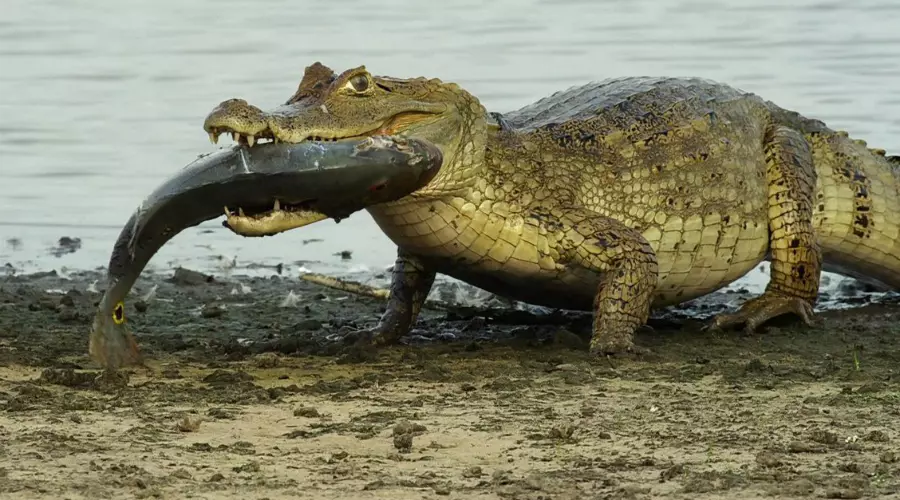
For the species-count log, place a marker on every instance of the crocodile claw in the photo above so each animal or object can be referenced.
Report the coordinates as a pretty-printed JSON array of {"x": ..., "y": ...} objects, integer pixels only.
[
  {"x": 364, "y": 336},
  {"x": 601, "y": 349},
  {"x": 757, "y": 311}
]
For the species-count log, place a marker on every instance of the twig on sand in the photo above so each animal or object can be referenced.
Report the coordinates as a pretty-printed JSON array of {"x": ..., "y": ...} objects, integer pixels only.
[
  {"x": 358, "y": 288},
  {"x": 347, "y": 285}
]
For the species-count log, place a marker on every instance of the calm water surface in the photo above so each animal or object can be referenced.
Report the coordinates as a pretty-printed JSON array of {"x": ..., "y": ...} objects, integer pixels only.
[{"x": 102, "y": 100}]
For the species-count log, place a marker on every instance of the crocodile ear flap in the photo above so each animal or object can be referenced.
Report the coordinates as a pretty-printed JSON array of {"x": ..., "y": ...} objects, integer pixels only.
[{"x": 316, "y": 79}]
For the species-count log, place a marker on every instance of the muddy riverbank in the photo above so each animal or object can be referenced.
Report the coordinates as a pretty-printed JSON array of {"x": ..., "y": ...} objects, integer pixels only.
[{"x": 246, "y": 395}]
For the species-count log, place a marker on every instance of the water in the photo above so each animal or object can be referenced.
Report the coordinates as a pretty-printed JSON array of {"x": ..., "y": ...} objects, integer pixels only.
[{"x": 101, "y": 100}]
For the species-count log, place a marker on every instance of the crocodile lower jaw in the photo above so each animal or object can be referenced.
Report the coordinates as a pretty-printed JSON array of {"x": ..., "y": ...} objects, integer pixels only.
[{"x": 280, "y": 218}]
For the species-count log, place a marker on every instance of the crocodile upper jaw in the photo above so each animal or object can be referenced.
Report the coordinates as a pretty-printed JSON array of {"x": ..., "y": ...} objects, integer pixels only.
[{"x": 249, "y": 125}]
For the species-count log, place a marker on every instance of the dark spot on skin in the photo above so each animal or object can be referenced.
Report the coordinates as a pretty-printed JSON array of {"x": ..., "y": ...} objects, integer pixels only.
[
  {"x": 726, "y": 219},
  {"x": 795, "y": 243},
  {"x": 859, "y": 233},
  {"x": 862, "y": 192},
  {"x": 860, "y": 209},
  {"x": 822, "y": 207},
  {"x": 801, "y": 271},
  {"x": 862, "y": 220}
]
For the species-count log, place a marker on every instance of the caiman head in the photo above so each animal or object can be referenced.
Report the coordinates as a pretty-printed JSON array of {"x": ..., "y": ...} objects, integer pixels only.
[{"x": 328, "y": 107}]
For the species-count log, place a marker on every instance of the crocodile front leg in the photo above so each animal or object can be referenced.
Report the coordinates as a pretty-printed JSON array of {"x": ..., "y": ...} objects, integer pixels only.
[
  {"x": 628, "y": 266},
  {"x": 796, "y": 261},
  {"x": 411, "y": 281}
]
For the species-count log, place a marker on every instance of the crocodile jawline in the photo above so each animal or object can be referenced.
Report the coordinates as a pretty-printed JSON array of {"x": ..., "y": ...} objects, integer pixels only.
[{"x": 392, "y": 126}]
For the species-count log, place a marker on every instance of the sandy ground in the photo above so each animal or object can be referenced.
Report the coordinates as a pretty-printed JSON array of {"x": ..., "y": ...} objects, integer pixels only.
[{"x": 244, "y": 396}]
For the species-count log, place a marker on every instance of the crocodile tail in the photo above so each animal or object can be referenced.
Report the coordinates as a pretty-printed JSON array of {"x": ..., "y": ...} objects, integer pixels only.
[{"x": 857, "y": 208}]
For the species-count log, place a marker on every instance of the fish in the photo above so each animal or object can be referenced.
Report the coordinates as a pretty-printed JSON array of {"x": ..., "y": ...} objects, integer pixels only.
[{"x": 262, "y": 190}]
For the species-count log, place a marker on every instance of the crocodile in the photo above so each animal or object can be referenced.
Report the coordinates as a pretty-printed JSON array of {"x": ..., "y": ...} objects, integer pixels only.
[{"x": 614, "y": 197}]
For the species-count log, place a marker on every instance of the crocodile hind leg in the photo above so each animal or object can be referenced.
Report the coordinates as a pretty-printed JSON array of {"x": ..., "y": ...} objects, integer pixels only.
[
  {"x": 627, "y": 264},
  {"x": 411, "y": 281},
  {"x": 796, "y": 260}
]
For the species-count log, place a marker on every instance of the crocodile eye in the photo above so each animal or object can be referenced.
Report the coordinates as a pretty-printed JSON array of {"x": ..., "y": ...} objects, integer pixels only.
[{"x": 360, "y": 83}]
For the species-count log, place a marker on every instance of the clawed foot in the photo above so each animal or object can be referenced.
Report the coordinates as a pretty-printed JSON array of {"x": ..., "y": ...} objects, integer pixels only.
[
  {"x": 607, "y": 345},
  {"x": 354, "y": 337},
  {"x": 757, "y": 311},
  {"x": 375, "y": 336}
]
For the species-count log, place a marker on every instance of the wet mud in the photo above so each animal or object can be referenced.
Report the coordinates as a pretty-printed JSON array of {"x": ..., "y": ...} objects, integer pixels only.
[{"x": 248, "y": 392}]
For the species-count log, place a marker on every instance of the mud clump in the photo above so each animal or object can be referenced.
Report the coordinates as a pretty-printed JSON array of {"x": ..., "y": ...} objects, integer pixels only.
[
  {"x": 66, "y": 245},
  {"x": 226, "y": 377},
  {"x": 188, "y": 277},
  {"x": 404, "y": 432},
  {"x": 307, "y": 412},
  {"x": 68, "y": 378}
]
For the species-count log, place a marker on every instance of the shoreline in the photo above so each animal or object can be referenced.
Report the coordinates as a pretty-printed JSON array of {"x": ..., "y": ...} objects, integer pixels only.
[{"x": 246, "y": 394}]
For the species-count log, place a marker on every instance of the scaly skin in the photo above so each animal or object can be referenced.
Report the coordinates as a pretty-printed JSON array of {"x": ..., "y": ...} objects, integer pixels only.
[{"x": 613, "y": 196}]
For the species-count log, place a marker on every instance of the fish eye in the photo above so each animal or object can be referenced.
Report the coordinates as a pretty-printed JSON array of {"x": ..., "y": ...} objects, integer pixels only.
[
  {"x": 118, "y": 314},
  {"x": 359, "y": 83}
]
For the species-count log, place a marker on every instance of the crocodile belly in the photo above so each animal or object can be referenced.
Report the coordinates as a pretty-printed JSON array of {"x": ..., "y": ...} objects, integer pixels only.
[
  {"x": 698, "y": 255},
  {"x": 492, "y": 252}
]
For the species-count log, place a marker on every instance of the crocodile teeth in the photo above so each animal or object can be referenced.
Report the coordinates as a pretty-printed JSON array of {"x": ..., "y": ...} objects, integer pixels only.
[
  {"x": 277, "y": 206},
  {"x": 241, "y": 212},
  {"x": 236, "y": 137},
  {"x": 213, "y": 138},
  {"x": 251, "y": 140},
  {"x": 227, "y": 212}
]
